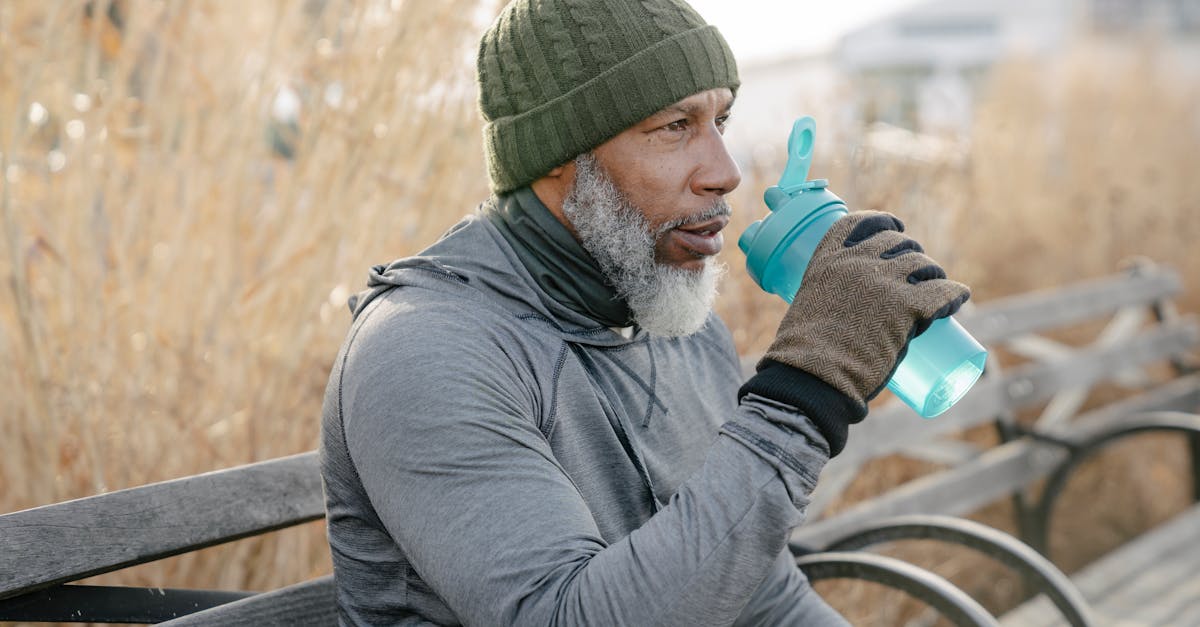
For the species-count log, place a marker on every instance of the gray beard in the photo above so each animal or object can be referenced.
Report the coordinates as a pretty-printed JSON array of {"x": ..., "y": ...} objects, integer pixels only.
[{"x": 664, "y": 300}]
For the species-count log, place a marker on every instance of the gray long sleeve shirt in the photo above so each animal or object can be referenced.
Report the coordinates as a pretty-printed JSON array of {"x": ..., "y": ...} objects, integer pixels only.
[{"x": 492, "y": 458}]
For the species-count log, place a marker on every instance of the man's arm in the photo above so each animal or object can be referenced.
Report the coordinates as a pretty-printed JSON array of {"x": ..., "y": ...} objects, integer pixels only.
[
  {"x": 787, "y": 598},
  {"x": 467, "y": 485}
]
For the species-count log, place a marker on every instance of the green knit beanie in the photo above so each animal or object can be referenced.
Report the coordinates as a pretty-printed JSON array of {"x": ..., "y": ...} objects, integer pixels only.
[{"x": 559, "y": 77}]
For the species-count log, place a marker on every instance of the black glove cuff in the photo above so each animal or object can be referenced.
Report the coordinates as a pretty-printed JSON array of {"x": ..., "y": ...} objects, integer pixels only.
[{"x": 829, "y": 410}]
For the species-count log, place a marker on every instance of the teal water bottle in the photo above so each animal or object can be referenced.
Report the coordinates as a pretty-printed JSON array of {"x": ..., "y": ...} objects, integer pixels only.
[{"x": 941, "y": 364}]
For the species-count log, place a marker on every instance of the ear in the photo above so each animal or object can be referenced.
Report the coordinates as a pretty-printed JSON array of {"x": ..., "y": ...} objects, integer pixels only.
[{"x": 553, "y": 188}]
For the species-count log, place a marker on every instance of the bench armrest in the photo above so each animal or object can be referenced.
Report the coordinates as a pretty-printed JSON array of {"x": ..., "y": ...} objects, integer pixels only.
[
  {"x": 1089, "y": 445},
  {"x": 1039, "y": 571},
  {"x": 934, "y": 590}
]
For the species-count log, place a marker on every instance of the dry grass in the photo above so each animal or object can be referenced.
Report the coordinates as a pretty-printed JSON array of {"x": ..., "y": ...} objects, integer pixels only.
[{"x": 174, "y": 288}]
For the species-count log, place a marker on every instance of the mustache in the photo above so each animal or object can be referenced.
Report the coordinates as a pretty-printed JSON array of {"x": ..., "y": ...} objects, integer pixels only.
[{"x": 720, "y": 207}]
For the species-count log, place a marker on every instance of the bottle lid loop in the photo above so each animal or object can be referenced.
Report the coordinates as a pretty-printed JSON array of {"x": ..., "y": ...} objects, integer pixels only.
[{"x": 800, "y": 152}]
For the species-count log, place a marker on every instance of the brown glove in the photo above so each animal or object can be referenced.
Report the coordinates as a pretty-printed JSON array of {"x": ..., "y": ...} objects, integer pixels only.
[{"x": 868, "y": 290}]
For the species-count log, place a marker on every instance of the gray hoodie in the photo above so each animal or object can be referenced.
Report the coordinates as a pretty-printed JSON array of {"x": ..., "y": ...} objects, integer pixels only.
[{"x": 491, "y": 457}]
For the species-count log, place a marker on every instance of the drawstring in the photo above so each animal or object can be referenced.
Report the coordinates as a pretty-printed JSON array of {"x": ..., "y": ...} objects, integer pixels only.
[
  {"x": 653, "y": 397},
  {"x": 619, "y": 429}
]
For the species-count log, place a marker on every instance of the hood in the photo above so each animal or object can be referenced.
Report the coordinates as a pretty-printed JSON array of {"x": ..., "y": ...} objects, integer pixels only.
[{"x": 473, "y": 260}]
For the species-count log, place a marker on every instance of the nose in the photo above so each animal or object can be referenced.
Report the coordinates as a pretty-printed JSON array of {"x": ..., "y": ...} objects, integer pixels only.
[{"x": 718, "y": 173}]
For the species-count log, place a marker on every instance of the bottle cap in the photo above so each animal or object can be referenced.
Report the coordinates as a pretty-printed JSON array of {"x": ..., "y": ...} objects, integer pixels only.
[{"x": 778, "y": 247}]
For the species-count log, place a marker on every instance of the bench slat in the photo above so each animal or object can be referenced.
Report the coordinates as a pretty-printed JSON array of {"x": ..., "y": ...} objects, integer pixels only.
[
  {"x": 1165, "y": 592},
  {"x": 67, "y": 541},
  {"x": 892, "y": 428},
  {"x": 1002, "y": 319},
  {"x": 994, "y": 474},
  {"x": 952, "y": 492}
]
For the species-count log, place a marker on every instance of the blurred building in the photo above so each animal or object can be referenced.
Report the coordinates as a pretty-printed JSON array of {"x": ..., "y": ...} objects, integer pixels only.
[
  {"x": 902, "y": 91},
  {"x": 921, "y": 68}
]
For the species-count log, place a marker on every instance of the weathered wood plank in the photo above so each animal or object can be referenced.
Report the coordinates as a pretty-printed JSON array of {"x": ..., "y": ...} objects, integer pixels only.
[
  {"x": 996, "y": 473},
  {"x": 309, "y": 603},
  {"x": 958, "y": 491},
  {"x": 943, "y": 451},
  {"x": 1047, "y": 309},
  {"x": 63, "y": 542},
  {"x": 1066, "y": 403},
  {"x": 1165, "y": 591},
  {"x": 895, "y": 427},
  {"x": 1181, "y": 394},
  {"x": 1158, "y": 594}
]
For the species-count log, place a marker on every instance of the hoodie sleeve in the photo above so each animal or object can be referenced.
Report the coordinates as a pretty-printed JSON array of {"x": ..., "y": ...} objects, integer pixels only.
[{"x": 442, "y": 435}]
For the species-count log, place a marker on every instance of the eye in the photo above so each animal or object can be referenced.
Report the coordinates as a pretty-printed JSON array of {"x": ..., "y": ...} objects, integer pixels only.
[
  {"x": 722, "y": 122},
  {"x": 678, "y": 125}
]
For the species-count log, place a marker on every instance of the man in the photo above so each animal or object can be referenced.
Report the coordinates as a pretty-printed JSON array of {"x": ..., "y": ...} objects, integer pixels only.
[{"x": 538, "y": 419}]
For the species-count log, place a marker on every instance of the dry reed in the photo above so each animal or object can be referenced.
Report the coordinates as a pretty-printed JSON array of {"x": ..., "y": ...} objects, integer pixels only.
[
  {"x": 176, "y": 287},
  {"x": 192, "y": 190}
]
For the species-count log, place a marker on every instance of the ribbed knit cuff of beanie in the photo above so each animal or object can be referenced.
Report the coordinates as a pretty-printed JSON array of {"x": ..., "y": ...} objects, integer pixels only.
[
  {"x": 559, "y": 77},
  {"x": 829, "y": 410}
]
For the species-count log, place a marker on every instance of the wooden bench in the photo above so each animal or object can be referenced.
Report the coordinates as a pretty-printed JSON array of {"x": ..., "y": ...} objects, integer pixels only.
[{"x": 43, "y": 549}]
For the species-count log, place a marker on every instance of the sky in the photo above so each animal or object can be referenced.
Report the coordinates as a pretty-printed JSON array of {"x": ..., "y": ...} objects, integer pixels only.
[{"x": 757, "y": 29}]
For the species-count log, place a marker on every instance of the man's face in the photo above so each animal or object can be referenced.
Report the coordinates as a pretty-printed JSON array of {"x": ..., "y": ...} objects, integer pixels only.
[
  {"x": 655, "y": 234},
  {"x": 673, "y": 166}
]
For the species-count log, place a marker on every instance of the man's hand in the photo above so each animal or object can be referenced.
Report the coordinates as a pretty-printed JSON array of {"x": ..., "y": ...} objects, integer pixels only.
[{"x": 868, "y": 290}]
